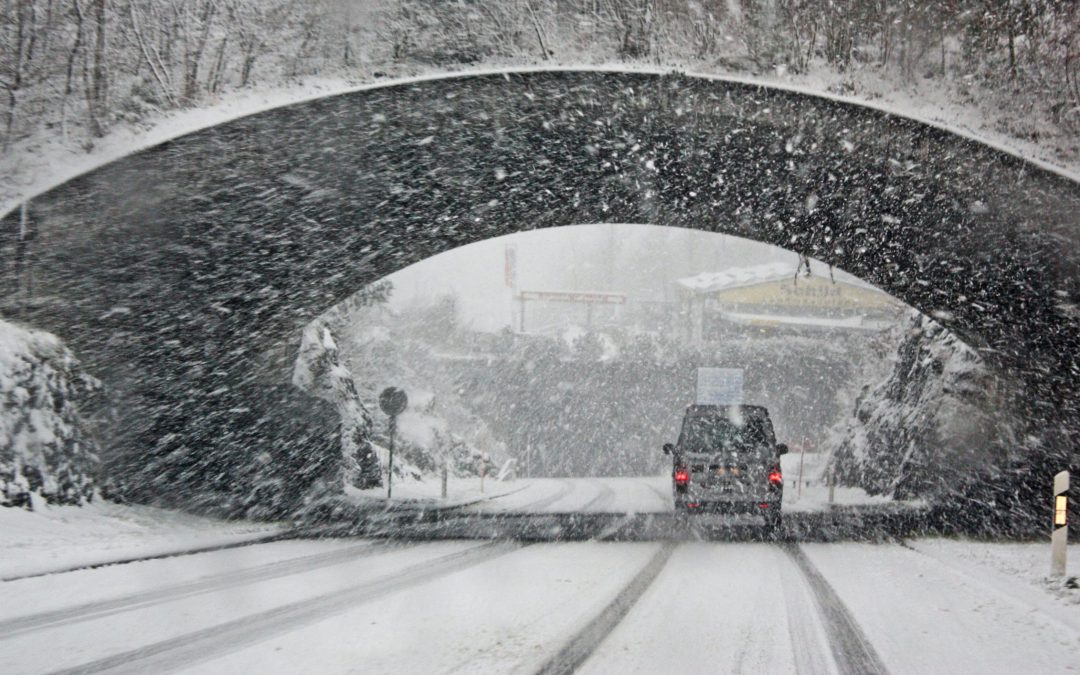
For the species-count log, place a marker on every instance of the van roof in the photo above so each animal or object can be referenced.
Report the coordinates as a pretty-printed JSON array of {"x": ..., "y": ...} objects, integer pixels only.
[{"x": 710, "y": 409}]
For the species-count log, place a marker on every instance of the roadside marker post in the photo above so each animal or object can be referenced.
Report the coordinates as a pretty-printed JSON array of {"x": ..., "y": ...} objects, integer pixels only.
[
  {"x": 802, "y": 457},
  {"x": 393, "y": 402},
  {"x": 445, "y": 475},
  {"x": 1060, "y": 537}
]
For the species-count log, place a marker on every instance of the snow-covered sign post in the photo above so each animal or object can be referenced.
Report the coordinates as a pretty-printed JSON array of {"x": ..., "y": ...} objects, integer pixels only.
[
  {"x": 1060, "y": 536},
  {"x": 393, "y": 402},
  {"x": 719, "y": 386}
]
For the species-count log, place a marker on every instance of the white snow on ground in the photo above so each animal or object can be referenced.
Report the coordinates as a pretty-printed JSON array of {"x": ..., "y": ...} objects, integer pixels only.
[
  {"x": 642, "y": 494},
  {"x": 531, "y": 495},
  {"x": 67, "y": 646},
  {"x": 538, "y": 491},
  {"x": 646, "y": 494},
  {"x": 503, "y": 616},
  {"x": 53, "y": 592},
  {"x": 719, "y": 608},
  {"x": 428, "y": 492},
  {"x": 61, "y": 537},
  {"x": 35, "y": 166},
  {"x": 811, "y": 493},
  {"x": 962, "y": 607},
  {"x": 925, "y": 617},
  {"x": 1012, "y": 567}
]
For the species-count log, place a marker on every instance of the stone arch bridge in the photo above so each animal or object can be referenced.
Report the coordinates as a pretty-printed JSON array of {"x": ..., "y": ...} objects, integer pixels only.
[{"x": 183, "y": 274}]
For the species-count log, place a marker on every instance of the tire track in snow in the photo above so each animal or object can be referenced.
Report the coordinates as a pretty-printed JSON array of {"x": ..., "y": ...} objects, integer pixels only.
[
  {"x": 202, "y": 645},
  {"x": 540, "y": 504},
  {"x": 615, "y": 529},
  {"x": 584, "y": 643},
  {"x": 851, "y": 649},
  {"x": 665, "y": 497},
  {"x": 210, "y": 548},
  {"x": 601, "y": 500},
  {"x": 94, "y": 610},
  {"x": 807, "y": 634}
]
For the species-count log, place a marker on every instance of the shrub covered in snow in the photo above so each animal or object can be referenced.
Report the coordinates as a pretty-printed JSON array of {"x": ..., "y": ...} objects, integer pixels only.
[{"x": 44, "y": 448}]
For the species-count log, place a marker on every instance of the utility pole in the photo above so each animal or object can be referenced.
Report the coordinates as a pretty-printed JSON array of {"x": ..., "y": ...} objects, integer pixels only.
[{"x": 611, "y": 258}]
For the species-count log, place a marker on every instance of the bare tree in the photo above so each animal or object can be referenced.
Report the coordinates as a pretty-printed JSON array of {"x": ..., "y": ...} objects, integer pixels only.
[
  {"x": 96, "y": 77},
  {"x": 633, "y": 21},
  {"x": 198, "y": 17},
  {"x": 149, "y": 51}
]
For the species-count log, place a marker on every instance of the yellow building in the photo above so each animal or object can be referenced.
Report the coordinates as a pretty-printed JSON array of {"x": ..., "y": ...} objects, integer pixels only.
[{"x": 771, "y": 298}]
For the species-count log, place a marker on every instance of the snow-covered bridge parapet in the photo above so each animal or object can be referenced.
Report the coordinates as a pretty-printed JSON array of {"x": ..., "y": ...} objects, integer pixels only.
[{"x": 183, "y": 275}]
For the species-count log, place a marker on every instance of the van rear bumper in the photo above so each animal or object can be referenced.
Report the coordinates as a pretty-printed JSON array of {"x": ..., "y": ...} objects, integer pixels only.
[{"x": 740, "y": 506}]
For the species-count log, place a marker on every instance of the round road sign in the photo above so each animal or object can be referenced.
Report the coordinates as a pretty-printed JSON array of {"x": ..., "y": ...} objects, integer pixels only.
[{"x": 393, "y": 401}]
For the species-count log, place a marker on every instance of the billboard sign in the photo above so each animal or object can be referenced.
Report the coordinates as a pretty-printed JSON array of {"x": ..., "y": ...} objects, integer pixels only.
[
  {"x": 719, "y": 386},
  {"x": 593, "y": 297}
]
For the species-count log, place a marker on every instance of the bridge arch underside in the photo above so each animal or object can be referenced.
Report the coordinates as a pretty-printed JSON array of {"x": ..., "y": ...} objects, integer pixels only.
[{"x": 182, "y": 275}]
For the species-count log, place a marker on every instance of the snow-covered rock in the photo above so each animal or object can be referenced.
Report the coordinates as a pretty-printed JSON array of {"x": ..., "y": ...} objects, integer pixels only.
[
  {"x": 45, "y": 451},
  {"x": 319, "y": 371},
  {"x": 940, "y": 414}
]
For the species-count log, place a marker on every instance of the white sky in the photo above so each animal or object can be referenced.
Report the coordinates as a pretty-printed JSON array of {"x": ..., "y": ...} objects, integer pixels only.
[{"x": 639, "y": 260}]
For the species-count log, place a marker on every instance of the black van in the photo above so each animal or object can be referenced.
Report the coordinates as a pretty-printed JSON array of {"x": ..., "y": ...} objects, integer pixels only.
[{"x": 727, "y": 459}]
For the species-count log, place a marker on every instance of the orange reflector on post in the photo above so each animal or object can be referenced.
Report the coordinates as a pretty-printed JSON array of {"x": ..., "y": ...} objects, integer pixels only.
[{"x": 1059, "y": 538}]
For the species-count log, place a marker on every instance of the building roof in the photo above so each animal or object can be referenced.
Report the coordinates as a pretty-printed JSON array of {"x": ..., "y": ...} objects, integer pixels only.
[{"x": 738, "y": 277}]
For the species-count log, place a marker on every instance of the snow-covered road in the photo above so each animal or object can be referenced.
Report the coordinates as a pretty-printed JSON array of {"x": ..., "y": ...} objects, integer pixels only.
[
  {"x": 377, "y": 606},
  {"x": 584, "y": 495}
]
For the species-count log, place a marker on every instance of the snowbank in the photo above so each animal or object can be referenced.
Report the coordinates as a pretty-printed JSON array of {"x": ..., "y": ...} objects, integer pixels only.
[
  {"x": 63, "y": 537},
  {"x": 425, "y": 491},
  {"x": 1014, "y": 568}
]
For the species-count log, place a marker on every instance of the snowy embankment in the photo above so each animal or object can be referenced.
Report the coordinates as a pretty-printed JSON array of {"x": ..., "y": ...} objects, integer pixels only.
[
  {"x": 411, "y": 487},
  {"x": 1010, "y": 567},
  {"x": 428, "y": 493},
  {"x": 807, "y": 491},
  {"x": 40, "y": 163},
  {"x": 55, "y": 538}
]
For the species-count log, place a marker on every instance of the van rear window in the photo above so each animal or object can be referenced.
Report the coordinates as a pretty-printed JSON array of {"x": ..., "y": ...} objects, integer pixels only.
[{"x": 721, "y": 434}]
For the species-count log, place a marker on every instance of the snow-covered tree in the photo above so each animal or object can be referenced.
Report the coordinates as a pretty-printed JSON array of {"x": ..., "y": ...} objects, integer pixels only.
[{"x": 45, "y": 449}]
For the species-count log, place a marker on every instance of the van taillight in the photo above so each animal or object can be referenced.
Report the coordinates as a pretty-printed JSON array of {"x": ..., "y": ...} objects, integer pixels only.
[
  {"x": 775, "y": 477},
  {"x": 682, "y": 476}
]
